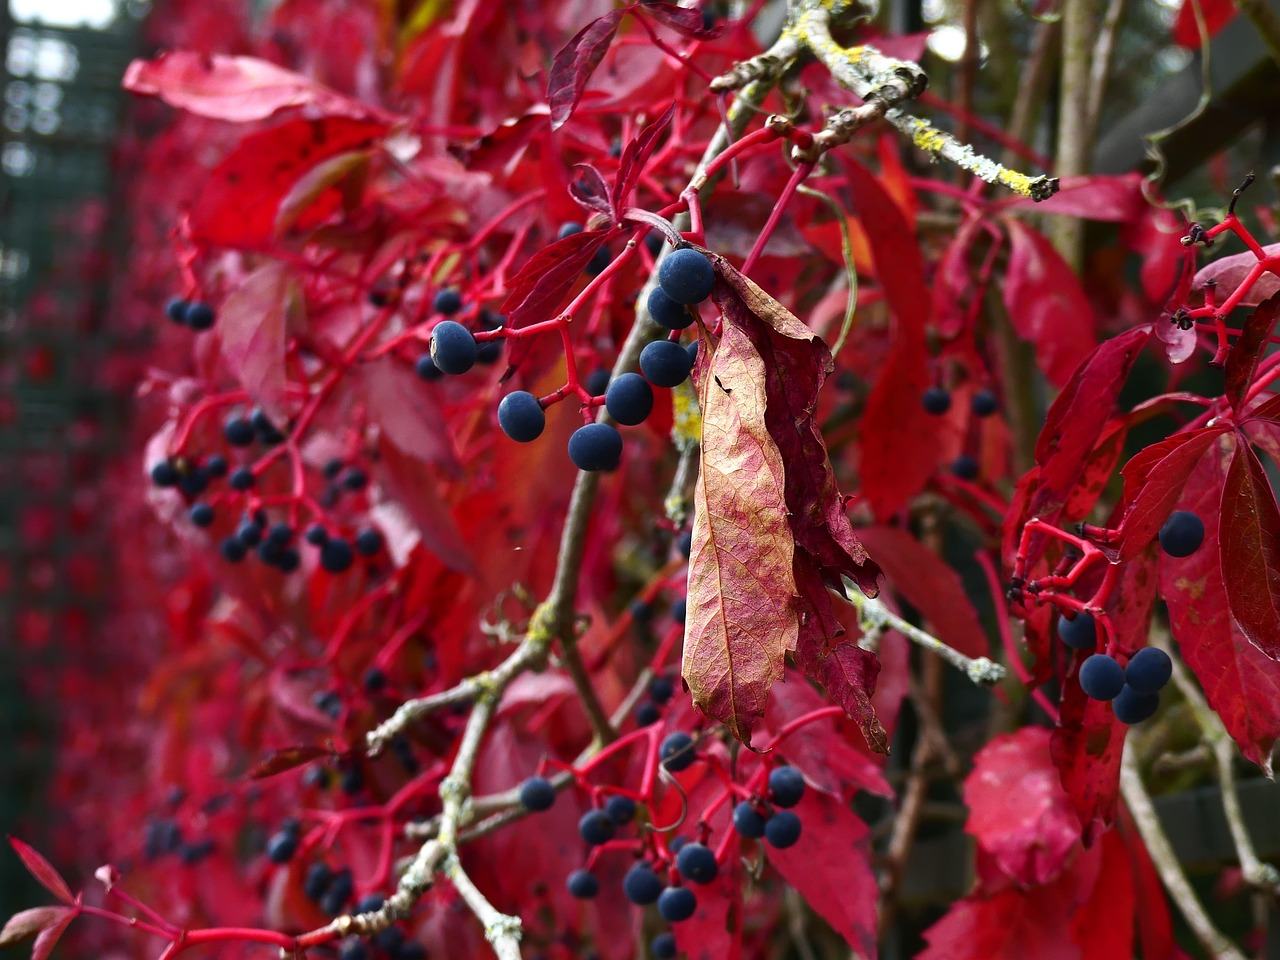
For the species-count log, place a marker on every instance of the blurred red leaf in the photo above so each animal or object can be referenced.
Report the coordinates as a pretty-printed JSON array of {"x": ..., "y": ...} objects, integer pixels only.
[
  {"x": 251, "y": 330},
  {"x": 925, "y": 581},
  {"x": 1103, "y": 925},
  {"x": 590, "y": 191},
  {"x": 286, "y": 759},
  {"x": 239, "y": 205},
  {"x": 1018, "y": 811},
  {"x": 1250, "y": 551},
  {"x": 405, "y": 408},
  {"x": 1113, "y": 199},
  {"x": 1231, "y": 271},
  {"x": 1242, "y": 360},
  {"x": 48, "y": 937},
  {"x": 687, "y": 21},
  {"x": 1239, "y": 681},
  {"x": 637, "y": 153},
  {"x": 898, "y": 437},
  {"x": 409, "y": 481},
  {"x": 1086, "y": 748},
  {"x": 237, "y": 89},
  {"x": 43, "y": 871},
  {"x": 830, "y": 866},
  {"x": 1098, "y": 470},
  {"x": 28, "y": 923},
  {"x": 1217, "y": 14},
  {"x": 1046, "y": 303},
  {"x": 1153, "y": 481},
  {"x": 575, "y": 63},
  {"x": 739, "y": 624}
]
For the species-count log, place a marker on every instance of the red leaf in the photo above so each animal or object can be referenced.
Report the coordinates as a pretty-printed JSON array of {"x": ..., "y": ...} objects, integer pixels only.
[
  {"x": 1250, "y": 551},
  {"x": 1229, "y": 272},
  {"x": 1018, "y": 811},
  {"x": 589, "y": 191},
  {"x": 536, "y": 292},
  {"x": 714, "y": 932},
  {"x": 43, "y": 871},
  {"x": 1046, "y": 303},
  {"x": 1240, "y": 683},
  {"x": 1076, "y": 420},
  {"x": 49, "y": 937},
  {"x": 1103, "y": 926},
  {"x": 575, "y": 63},
  {"x": 1217, "y": 14},
  {"x": 848, "y": 674},
  {"x": 286, "y": 759},
  {"x": 1086, "y": 747},
  {"x": 409, "y": 481},
  {"x": 1242, "y": 360},
  {"x": 251, "y": 329},
  {"x": 926, "y": 582},
  {"x": 240, "y": 204},
  {"x": 238, "y": 89},
  {"x": 30, "y": 922},
  {"x": 405, "y": 408},
  {"x": 898, "y": 438},
  {"x": 1114, "y": 199},
  {"x": 740, "y": 621},
  {"x": 687, "y": 21},
  {"x": 830, "y": 867},
  {"x": 1098, "y": 470},
  {"x": 636, "y": 154},
  {"x": 1153, "y": 481}
]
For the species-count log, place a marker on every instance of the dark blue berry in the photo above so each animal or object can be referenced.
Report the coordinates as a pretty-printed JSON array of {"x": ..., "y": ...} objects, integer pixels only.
[
  {"x": 389, "y": 939},
  {"x": 679, "y": 610},
  {"x": 195, "y": 482},
  {"x": 355, "y": 479},
  {"x": 641, "y": 885},
  {"x": 232, "y": 550},
  {"x": 447, "y": 302},
  {"x": 692, "y": 351},
  {"x": 684, "y": 543},
  {"x": 599, "y": 260},
  {"x": 279, "y": 534},
  {"x": 629, "y": 399},
  {"x": 342, "y": 886},
  {"x": 336, "y": 556},
  {"x": 748, "y": 821},
  {"x": 201, "y": 514},
  {"x": 193, "y": 853},
  {"x": 597, "y": 382},
  {"x": 677, "y": 752},
  {"x": 568, "y": 229},
  {"x": 317, "y": 880},
  {"x": 176, "y": 310},
  {"x": 374, "y": 681},
  {"x": 621, "y": 810},
  {"x": 782, "y": 830},
  {"x": 281, "y": 847},
  {"x": 521, "y": 417},
  {"x": 318, "y": 777},
  {"x": 217, "y": 466},
  {"x": 1182, "y": 534},
  {"x": 351, "y": 949},
  {"x": 1131, "y": 707},
  {"x": 984, "y": 403},
  {"x": 1148, "y": 670},
  {"x": 410, "y": 951},
  {"x": 368, "y": 542},
  {"x": 786, "y": 786},
  {"x": 595, "y": 827},
  {"x": 686, "y": 276},
  {"x": 537, "y": 794},
  {"x": 641, "y": 612},
  {"x": 453, "y": 348},
  {"x": 676, "y": 843},
  {"x": 663, "y": 946},
  {"x": 317, "y": 535},
  {"x": 1080, "y": 633},
  {"x": 1101, "y": 677},
  {"x": 647, "y": 714},
  {"x": 697, "y": 863},
  {"x": 249, "y": 533},
  {"x": 653, "y": 242},
  {"x": 426, "y": 367},
  {"x": 369, "y": 903},
  {"x": 597, "y": 446},
  {"x": 661, "y": 689},
  {"x": 965, "y": 467},
  {"x": 241, "y": 479},
  {"x": 936, "y": 401},
  {"x": 352, "y": 781},
  {"x": 677, "y": 904},
  {"x": 666, "y": 312},
  {"x": 332, "y": 468},
  {"x": 198, "y": 315},
  {"x": 328, "y": 702},
  {"x": 665, "y": 364},
  {"x": 165, "y": 474},
  {"x": 489, "y": 352},
  {"x": 583, "y": 884}
]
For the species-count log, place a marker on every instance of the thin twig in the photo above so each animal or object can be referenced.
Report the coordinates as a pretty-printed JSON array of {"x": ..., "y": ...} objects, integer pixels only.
[
  {"x": 1100, "y": 69},
  {"x": 1166, "y": 861},
  {"x": 1075, "y": 137}
]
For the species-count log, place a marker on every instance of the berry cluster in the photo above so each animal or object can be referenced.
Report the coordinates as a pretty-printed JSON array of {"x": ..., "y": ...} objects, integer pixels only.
[
  {"x": 194, "y": 314},
  {"x": 1134, "y": 689},
  {"x": 779, "y": 826},
  {"x": 685, "y": 279}
]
